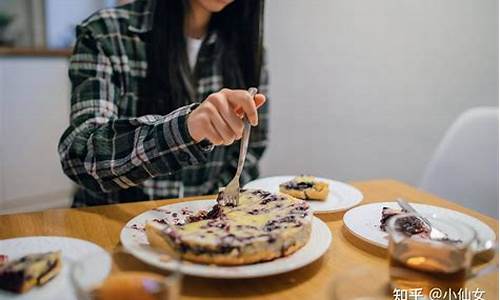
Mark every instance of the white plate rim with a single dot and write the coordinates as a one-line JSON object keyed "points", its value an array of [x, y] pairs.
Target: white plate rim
{"points": [[358, 198], [349, 214], [318, 228]]}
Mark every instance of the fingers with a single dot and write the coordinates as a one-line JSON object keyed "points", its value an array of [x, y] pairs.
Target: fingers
{"points": [[217, 119], [226, 112], [220, 125], [212, 135], [259, 99], [200, 126], [241, 98]]}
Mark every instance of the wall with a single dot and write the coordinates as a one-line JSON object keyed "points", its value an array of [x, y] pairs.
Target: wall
{"points": [[34, 110], [366, 89]]}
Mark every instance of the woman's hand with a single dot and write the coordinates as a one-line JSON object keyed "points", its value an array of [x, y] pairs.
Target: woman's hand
{"points": [[219, 118]]}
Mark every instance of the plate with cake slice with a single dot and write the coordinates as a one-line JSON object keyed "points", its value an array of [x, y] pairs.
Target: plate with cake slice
{"points": [[265, 234], [368, 222], [323, 195], [39, 267]]}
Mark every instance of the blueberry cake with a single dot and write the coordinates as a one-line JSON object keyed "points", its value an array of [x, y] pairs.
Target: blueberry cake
{"points": [[306, 188], [264, 226], [409, 225], [21, 275]]}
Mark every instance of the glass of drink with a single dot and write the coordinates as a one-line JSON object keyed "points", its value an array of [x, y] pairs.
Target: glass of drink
{"points": [[418, 262], [91, 284]]}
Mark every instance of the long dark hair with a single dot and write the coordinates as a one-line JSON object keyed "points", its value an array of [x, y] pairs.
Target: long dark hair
{"points": [[239, 27]]}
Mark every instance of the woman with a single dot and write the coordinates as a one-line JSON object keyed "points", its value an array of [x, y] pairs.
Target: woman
{"points": [[155, 87]]}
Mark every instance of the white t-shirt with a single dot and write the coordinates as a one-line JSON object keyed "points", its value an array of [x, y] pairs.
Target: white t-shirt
{"points": [[193, 47]]}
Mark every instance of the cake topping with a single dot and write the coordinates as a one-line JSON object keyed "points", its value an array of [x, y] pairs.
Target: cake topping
{"points": [[412, 225], [299, 185]]}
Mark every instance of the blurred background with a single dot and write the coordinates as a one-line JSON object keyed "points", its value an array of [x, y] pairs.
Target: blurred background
{"points": [[360, 90]]}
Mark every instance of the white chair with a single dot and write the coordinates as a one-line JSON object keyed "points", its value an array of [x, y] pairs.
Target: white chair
{"points": [[464, 167]]}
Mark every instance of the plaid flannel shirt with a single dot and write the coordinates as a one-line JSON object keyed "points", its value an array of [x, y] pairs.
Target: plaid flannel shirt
{"points": [[113, 154]]}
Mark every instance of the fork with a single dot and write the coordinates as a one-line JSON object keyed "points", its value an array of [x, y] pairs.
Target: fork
{"points": [[230, 195]]}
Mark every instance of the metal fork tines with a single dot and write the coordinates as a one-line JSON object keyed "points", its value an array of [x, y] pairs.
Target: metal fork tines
{"points": [[231, 193]]}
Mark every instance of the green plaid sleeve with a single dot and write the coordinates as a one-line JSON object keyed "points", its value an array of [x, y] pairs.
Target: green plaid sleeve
{"points": [[104, 152], [258, 140]]}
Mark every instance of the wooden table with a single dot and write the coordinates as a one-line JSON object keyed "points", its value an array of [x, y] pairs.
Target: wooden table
{"points": [[102, 226]]}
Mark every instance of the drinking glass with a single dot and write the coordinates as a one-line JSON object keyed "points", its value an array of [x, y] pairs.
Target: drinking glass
{"points": [[422, 266], [91, 283]]}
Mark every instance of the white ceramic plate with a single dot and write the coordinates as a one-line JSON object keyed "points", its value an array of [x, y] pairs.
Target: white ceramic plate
{"points": [[363, 221], [341, 197], [135, 241], [60, 287]]}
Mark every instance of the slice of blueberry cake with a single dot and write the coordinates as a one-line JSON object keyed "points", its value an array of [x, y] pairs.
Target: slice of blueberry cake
{"points": [[264, 226], [306, 188], [21, 275], [409, 225]]}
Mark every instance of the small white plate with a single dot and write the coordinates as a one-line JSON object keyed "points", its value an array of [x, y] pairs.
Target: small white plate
{"points": [[364, 221], [341, 197], [135, 241], [60, 287]]}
